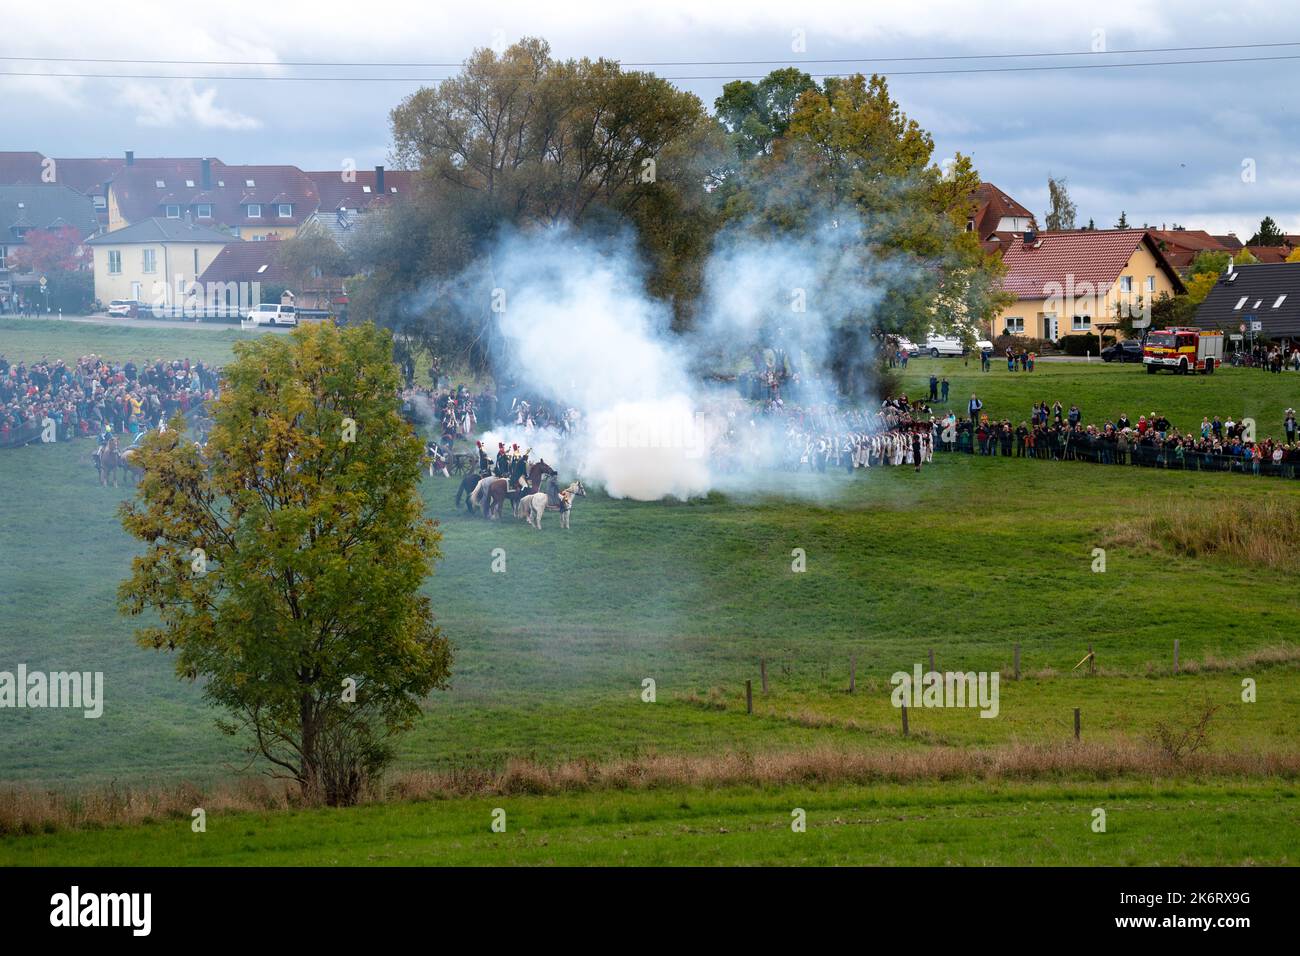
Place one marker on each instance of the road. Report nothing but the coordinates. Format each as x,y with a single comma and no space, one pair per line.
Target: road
149,323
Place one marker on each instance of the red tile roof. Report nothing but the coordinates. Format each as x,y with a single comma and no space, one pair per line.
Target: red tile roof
1181,246
1095,256
246,262
20,168
992,204
1230,242
139,196
361,193
1270,254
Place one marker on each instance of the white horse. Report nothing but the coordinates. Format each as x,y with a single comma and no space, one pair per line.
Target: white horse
531,508
480,490
574,490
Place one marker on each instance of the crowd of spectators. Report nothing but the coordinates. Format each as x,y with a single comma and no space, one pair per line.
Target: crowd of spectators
95,395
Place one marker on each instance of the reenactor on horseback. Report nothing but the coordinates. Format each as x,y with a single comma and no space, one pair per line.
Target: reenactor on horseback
484,463
502,469
519,468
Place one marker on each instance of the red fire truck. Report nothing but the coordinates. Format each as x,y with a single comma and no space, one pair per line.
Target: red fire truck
1183,350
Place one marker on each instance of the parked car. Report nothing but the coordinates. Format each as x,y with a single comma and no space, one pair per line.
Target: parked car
1129,350
272,313
124,307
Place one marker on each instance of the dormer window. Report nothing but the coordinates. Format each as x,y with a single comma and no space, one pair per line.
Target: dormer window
285,210
254,210
203,210
173,212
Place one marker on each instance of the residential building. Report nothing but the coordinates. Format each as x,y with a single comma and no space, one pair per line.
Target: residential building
250,202
154,261
25,209
1264,294
1182,246
1080,281
997,218
251,270
346,197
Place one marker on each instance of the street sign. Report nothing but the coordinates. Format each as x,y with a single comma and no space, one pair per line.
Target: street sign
1256,326
42,282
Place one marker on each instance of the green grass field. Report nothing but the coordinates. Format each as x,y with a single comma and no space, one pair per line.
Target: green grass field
930,825
969,558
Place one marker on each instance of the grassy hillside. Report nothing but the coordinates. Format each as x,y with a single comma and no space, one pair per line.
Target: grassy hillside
967,559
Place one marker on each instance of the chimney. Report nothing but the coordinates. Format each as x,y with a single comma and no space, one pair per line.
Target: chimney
379,179
130,157
205,177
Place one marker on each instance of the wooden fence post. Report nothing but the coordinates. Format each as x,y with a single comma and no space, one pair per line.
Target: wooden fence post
1076,723
762,668
904,708
1017,657
853,673
1092,662
749,696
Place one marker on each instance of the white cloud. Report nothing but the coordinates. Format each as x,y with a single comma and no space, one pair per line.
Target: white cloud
179,103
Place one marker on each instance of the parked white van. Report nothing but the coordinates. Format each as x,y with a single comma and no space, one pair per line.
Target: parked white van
271,313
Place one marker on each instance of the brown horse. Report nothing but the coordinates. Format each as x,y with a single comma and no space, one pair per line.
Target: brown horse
492,492
108,458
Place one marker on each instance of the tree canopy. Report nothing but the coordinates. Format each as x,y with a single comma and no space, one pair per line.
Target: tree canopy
283,560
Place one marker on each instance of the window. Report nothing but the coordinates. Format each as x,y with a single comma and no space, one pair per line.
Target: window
189,183
114,262
254,210
160,183
1125,283
249,183
365,189
1240,303
1082,323
203,210
149,260
1280,300
4,254
21,231
1258,303
100,202
285,210
1015,325
173,212
1151,283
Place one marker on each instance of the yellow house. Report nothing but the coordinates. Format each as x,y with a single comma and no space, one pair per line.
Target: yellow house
1081,281
155,262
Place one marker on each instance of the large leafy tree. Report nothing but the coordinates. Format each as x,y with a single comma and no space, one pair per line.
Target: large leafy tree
756,115
519,139
1063,211
850,157
284,560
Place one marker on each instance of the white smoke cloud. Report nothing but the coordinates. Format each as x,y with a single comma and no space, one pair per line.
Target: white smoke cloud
581,331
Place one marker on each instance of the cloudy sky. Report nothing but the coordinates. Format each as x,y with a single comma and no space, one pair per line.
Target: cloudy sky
1205,145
